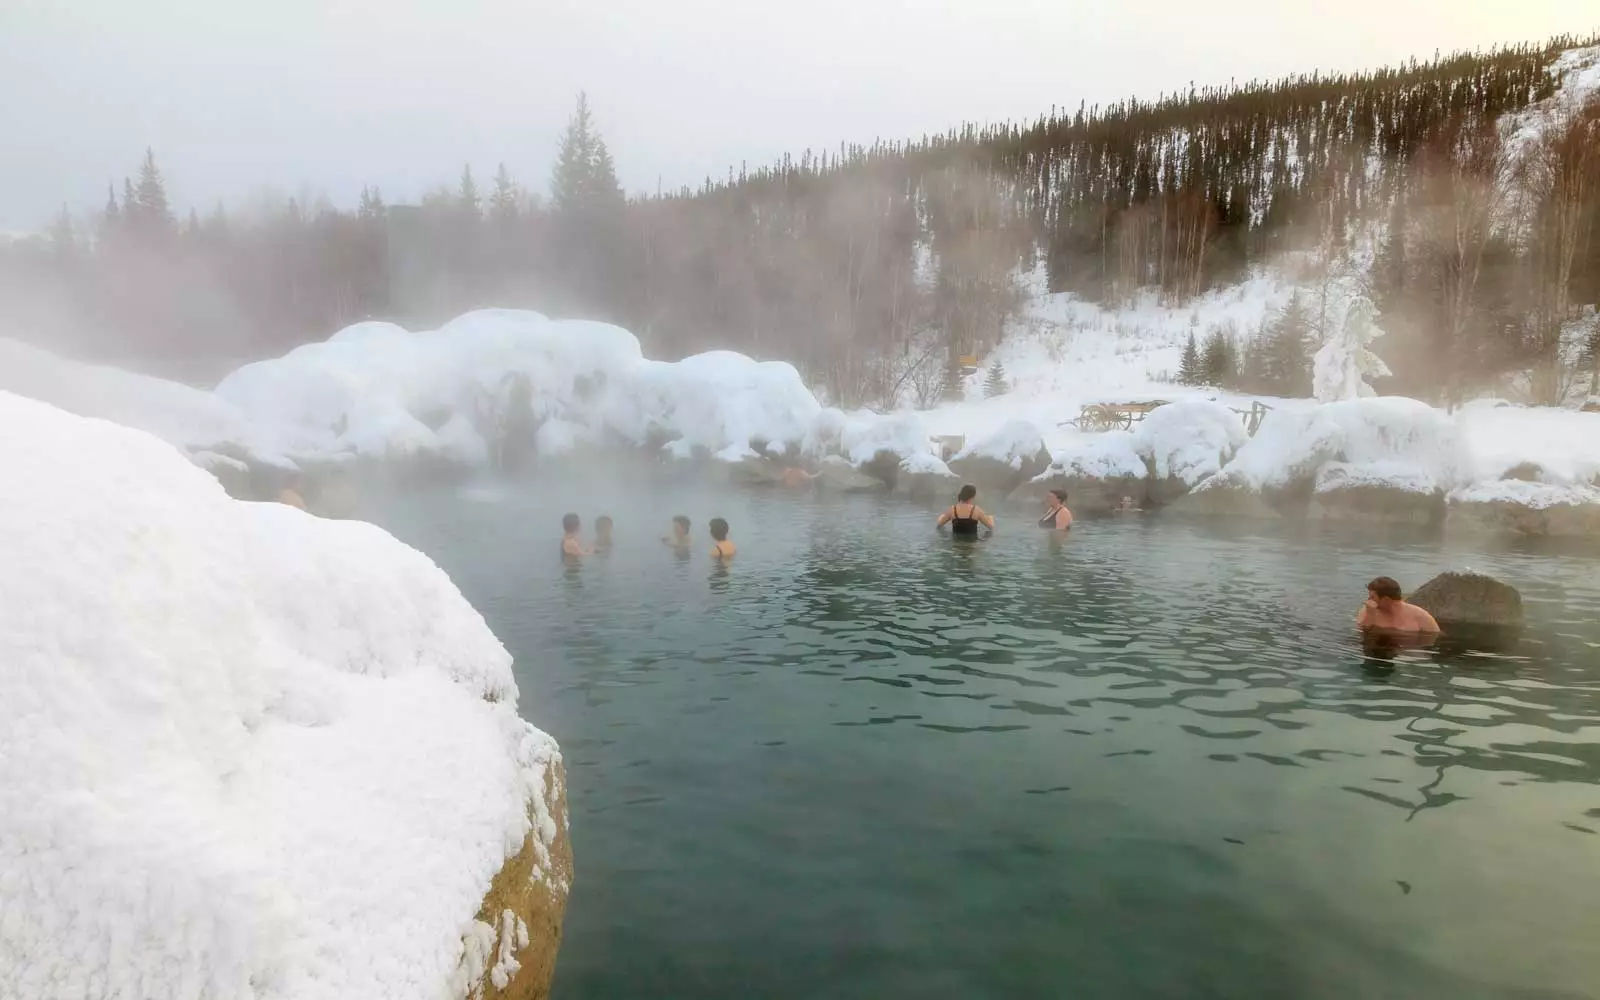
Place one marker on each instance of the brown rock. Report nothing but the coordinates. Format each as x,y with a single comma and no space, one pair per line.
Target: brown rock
1383,504
1510,518
533,890
1470,599
1224,499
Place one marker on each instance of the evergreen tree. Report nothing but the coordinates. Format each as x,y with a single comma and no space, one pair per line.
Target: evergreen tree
113,215
1285,353
371,205
570,181
603,185
155,215
994,384
503,200
467,200
1219,362
1190,371
132,217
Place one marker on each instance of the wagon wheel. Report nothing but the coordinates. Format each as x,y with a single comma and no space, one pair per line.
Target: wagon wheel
1100,418
1124,420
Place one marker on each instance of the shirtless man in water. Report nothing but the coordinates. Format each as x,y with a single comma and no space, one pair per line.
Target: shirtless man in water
1387,609
572,546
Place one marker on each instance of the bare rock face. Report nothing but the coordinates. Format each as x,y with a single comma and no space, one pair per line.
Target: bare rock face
838,476
1223,499
1085,494
928,487
1507,517
755,471
1470,599
1370,503
511,951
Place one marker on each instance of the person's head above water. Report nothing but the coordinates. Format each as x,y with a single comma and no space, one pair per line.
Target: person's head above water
1060,496
680,526
968,493
569,524
1385,588
719,529
602,525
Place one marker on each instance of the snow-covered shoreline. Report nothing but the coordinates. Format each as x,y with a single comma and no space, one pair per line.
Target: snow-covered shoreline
497,386
244,752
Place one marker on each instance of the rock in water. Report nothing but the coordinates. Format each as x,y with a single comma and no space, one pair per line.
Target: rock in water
1470,599
841,477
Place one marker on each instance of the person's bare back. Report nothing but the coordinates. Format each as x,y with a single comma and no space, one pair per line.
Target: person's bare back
722,547
1387,609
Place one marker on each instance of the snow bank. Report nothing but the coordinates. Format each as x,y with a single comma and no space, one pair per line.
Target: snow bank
1013,444
863,436
1384,441
1563,446
379,391
1189,440
1111,455
192,419
244,753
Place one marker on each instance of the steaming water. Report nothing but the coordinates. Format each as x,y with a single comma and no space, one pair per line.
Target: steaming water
1150,761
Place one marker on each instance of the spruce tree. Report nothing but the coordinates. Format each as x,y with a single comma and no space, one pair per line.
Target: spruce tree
467,200
994,384
155,214
570,181
1218,362
1287,350
113,216
503,200
1189,368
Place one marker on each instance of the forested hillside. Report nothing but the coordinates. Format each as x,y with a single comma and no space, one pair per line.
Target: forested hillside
1480,234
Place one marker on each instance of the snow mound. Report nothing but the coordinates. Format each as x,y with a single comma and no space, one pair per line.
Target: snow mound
244,753
1384,441
1111,455
1189,440
1536,496
1015,442
189,418
904,435
1562,444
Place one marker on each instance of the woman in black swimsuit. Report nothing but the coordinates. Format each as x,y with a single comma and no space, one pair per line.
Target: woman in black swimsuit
1056,516
965,516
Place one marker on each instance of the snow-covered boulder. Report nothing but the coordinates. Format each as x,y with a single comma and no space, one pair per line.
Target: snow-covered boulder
1470,599
1514,507
925,478
1357,458
1186,442
998,463
245,752
1096,470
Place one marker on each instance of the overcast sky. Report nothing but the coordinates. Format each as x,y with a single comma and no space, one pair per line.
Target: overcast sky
331,94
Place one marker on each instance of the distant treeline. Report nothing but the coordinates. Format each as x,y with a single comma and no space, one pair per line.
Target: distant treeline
876,268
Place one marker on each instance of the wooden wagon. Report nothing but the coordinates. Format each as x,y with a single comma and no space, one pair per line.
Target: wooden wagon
1113,416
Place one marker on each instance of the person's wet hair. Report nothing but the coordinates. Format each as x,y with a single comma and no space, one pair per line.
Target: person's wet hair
569,523
603,522
719,529
1385,586
682,522
967,493
1059,495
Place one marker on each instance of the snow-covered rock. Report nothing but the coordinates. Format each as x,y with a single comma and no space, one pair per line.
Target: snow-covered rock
1521,508
1001,461
1185,442
244,752
1096,470
925,477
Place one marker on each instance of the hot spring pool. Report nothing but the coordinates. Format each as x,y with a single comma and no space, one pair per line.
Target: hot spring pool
1147,761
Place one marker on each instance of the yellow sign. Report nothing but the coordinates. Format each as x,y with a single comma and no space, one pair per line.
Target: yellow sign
970,360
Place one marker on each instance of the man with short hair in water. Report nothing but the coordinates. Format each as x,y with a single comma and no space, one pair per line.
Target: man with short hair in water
602,533
572,546
679,539
723,549
1056,515
1387,609
965,516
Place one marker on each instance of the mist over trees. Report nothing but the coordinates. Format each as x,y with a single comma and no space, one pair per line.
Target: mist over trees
876,269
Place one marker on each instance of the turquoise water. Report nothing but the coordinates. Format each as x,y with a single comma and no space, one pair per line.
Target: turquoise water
1150,760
